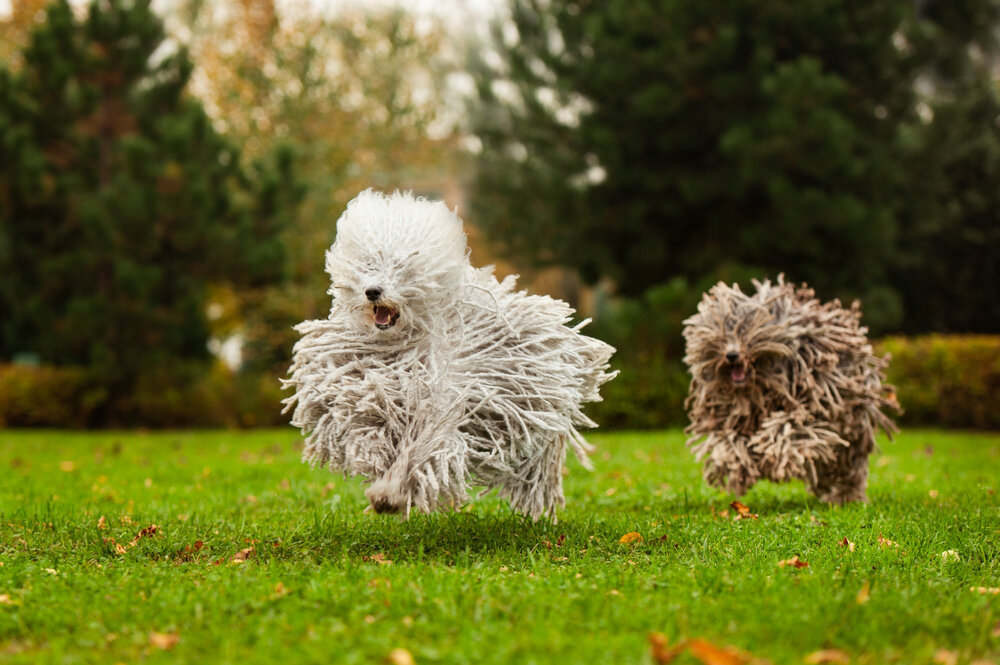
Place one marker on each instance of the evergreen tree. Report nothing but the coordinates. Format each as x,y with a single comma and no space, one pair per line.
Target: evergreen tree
642,140
119,203
950,273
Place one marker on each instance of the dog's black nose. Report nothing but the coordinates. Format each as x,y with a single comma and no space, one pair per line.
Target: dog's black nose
373,293
732,356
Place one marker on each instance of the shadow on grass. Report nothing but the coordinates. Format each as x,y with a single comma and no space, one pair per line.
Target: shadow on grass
486,530
442,536
448,538
767,498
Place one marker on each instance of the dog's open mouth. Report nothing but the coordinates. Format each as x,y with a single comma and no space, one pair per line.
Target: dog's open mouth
385,316
738,373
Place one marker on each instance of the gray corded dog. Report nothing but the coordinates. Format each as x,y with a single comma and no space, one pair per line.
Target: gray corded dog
784,387
430,375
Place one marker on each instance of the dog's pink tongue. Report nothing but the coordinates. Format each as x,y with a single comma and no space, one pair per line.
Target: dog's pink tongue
739,374
382,315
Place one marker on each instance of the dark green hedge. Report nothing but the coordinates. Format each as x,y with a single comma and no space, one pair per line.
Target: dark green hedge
66,397
941,380
946,380
647,395
47,397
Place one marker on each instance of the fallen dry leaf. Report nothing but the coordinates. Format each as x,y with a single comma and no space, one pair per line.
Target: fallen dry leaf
945,657
150,530
949,555
661,651
101,523
5,599
828,656
985,590
701,649
146,531
165,641
744,511
709,654
400,657
933,494
280,590
243,555
885,542
378,558
631,537
794,562
67,465
187,554
848,544
864,594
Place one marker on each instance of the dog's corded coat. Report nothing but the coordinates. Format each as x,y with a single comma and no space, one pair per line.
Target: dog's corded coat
430,375
784,387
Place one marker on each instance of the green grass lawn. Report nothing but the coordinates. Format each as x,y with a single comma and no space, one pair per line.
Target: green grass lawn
325,582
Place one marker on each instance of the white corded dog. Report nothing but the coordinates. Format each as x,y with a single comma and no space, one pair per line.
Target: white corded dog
430,376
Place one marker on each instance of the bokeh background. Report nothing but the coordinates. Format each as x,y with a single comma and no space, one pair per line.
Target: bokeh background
171,174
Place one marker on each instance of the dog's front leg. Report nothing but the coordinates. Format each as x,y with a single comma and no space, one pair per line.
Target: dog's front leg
794,445
390,493
429,470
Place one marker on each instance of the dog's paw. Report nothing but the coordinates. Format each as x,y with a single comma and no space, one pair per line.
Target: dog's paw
385,501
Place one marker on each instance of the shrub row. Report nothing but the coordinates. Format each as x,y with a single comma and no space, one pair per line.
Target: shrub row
945,380
67,397
644,395
940,380
47,396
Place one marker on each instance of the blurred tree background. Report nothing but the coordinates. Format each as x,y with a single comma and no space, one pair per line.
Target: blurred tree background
170,179
357,93
657,146
121,204
169,184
